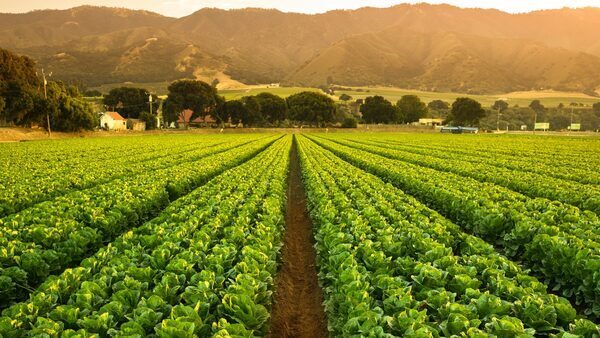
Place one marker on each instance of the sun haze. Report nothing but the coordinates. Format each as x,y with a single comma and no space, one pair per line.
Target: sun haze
179,8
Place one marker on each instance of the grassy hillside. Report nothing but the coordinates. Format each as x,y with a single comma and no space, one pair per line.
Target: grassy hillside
548,98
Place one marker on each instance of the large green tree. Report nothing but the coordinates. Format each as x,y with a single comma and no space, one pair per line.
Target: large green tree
234,110
537,106
251,114
66,109
411,108
500,105
466,112
272,107
596,108
197,96
376,109
130,102
19,86
311,107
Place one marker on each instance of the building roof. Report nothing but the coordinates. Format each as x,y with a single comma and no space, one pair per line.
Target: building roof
115,116
187,114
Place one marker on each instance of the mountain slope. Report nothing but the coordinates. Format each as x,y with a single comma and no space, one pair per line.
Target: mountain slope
449,62
419,46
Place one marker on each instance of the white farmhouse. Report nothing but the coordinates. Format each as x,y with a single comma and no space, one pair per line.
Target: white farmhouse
113,121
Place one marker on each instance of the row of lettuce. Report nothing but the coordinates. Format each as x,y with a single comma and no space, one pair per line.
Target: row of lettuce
390,266
203,267
57,234
563,166
39,171
558,242
585,196
572,153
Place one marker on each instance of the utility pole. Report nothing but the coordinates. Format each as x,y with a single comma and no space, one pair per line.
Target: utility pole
498,121
46,98
150,101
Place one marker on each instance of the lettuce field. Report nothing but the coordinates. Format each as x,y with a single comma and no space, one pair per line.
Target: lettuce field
303,235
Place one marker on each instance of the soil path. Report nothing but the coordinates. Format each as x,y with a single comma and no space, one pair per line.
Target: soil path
297,307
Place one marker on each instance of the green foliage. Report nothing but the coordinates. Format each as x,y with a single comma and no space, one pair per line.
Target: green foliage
596,108
537,106
466,112
130,102
349,122
67,110
345,97
150,120
272,107
376,109
92,93
411,109
311,107
198,96
500,105
251,114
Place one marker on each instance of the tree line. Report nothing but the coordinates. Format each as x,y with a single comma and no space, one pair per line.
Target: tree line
25,102
203,99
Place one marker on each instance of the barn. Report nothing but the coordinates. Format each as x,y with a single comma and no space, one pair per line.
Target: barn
113,121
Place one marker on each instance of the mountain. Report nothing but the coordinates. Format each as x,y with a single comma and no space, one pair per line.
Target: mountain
441,61
423,46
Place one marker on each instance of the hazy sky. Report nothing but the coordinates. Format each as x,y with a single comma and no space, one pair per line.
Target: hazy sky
179,8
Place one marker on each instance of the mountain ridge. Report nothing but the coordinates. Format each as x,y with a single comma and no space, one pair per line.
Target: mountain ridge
257,45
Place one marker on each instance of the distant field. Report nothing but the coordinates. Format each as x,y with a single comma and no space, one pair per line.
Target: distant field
548,98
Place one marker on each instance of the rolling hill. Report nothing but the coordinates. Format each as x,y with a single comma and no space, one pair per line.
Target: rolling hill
433,47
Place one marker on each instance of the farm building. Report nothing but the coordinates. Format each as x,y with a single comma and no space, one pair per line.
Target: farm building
113,121
186,115
136,124
431,122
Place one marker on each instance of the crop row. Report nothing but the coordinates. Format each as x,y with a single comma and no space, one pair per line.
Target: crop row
584,196
204,266
392,267
550,238
24,187
532,163
57,234
577,153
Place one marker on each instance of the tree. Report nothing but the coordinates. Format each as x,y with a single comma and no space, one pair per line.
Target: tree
219,113
466,112
272,107
560,122
411,108
251,115
130,102
537,106
376,109
345,97
500,105
2,105
197,96
234,110
596,108
349,122
311,107
438,105
66,108
150,120
19,86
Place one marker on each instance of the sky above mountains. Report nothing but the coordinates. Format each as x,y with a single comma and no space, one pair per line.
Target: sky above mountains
178,8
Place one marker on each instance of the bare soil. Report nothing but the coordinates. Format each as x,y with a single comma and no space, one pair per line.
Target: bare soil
297,309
